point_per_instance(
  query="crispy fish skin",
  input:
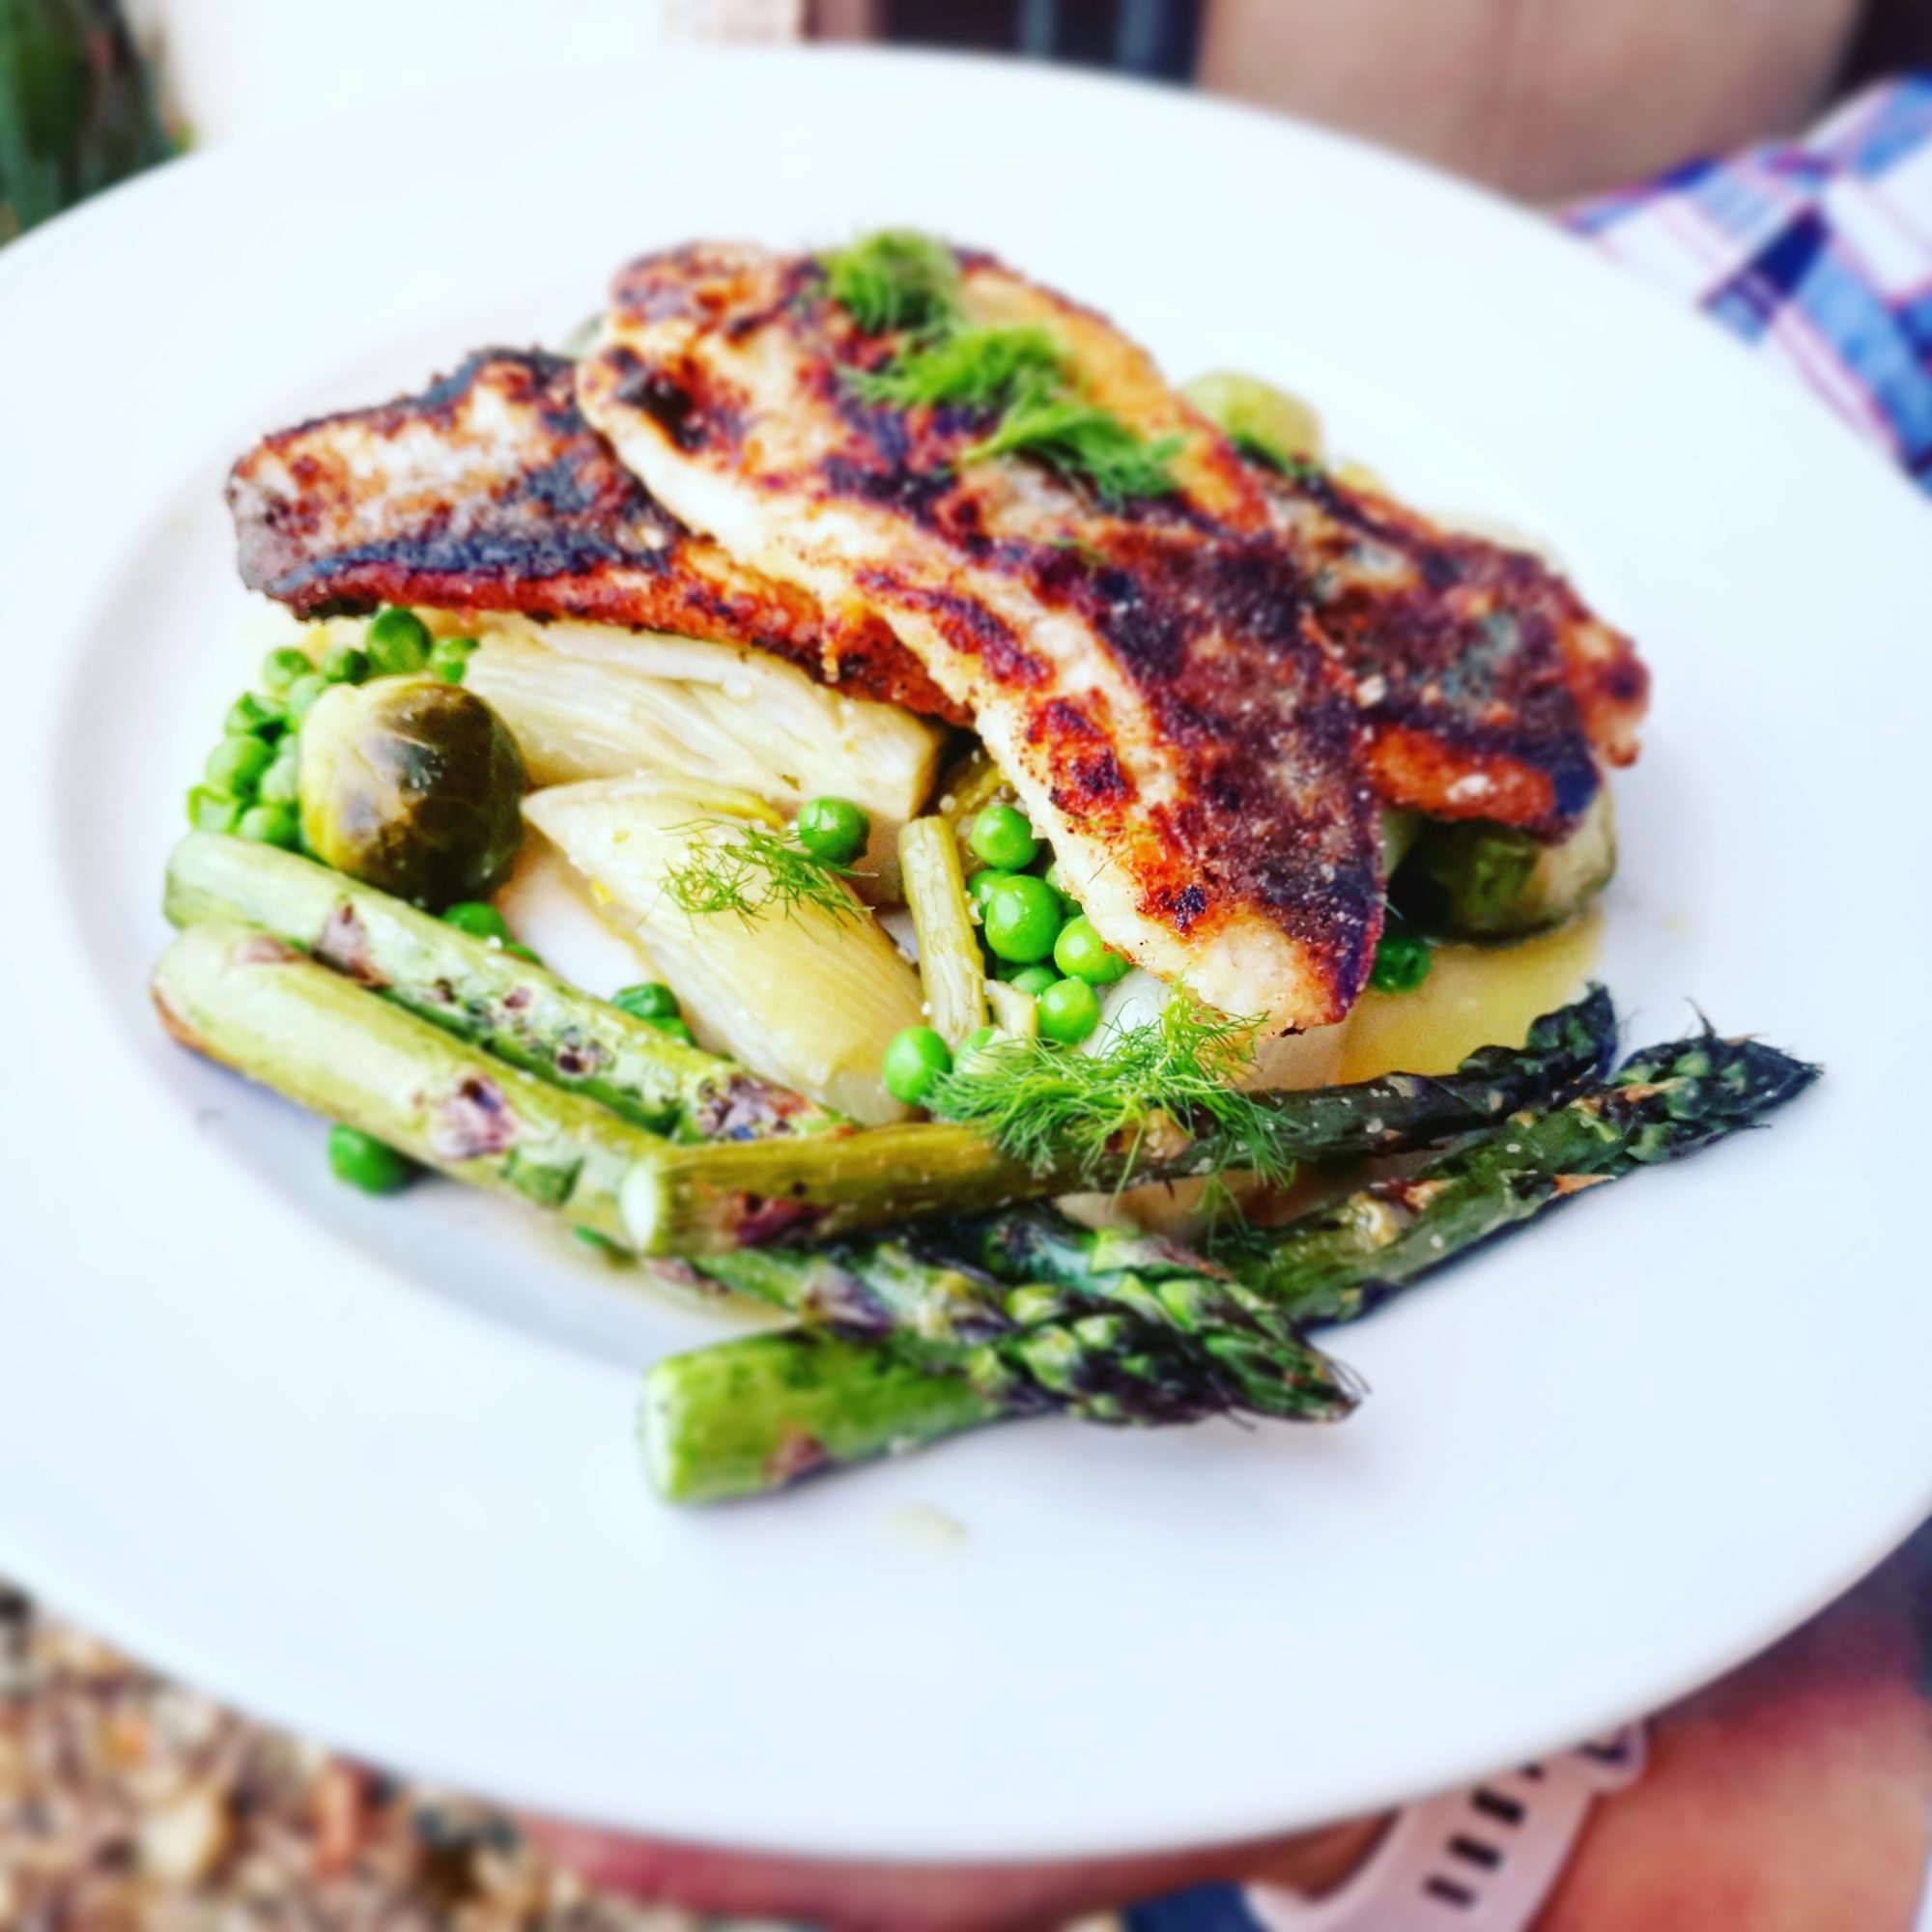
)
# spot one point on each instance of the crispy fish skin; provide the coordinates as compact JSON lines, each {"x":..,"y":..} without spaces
{"x":1489,"y":689}
{"x":490,"y":492}
{"x":1148,"y":678}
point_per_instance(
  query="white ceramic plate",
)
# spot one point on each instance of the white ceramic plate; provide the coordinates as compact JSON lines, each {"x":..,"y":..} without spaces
{"x":368,"y":1468}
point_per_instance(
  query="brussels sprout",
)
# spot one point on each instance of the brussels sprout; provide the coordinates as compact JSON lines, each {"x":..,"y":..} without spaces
{"x":1400,"y":830}
{"x":413,"y":786}
{"x":1476,"y":880}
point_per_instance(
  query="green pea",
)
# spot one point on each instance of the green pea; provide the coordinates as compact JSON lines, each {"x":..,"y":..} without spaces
{"x":397,"y":642}
{"x":1069,"y":1010}
{"x":1081,"y":954}
{"x":478,"y":918}
{"x":518,"y":950}
{"x":975,"y":1044}
{"x":280,"y":669}
{"x":1020,"y":919}
{"x":1403,"y":961}
{"x":345,"y":665}
{"x":364,"y":1162}
{"x":1056,"y":877}
{"x":981,"y":883}
{"x":449,"y":658}
{"x":282,"y":783}
{"x":272,"y":825}
{"x":675,"y":1026}
{"x":914,"y":1060}
{"x":1033,"y":980}
{"x":211,"y":810}
{"x":302,"y":693}
{"x":261,"y":717}
{"x":652,"y":1000}
{"x":236,"y":765}
{"x":832,"y":829}
{"x":1002,"y":836}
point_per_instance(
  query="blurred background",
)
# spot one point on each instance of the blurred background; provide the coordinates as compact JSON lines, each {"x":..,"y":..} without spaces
{"x":1547,"y":99}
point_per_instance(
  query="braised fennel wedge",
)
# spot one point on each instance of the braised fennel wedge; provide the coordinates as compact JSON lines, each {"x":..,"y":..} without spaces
{"x":592,"y":701}
{"x":803,"y":987}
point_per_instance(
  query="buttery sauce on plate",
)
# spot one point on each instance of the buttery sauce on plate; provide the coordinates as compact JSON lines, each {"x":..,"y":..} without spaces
{"x":1474,"y":996}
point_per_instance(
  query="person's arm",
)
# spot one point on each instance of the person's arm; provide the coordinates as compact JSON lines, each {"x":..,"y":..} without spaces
{"x":936,"y":1898}
{"x":1545,"y":99}
{"x":1795,"y":1793}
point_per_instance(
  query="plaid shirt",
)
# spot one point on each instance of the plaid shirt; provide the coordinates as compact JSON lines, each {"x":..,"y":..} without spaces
{"x":1819,"y":251}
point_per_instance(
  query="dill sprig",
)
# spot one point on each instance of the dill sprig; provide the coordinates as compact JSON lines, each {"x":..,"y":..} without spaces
{"x":982,"y":367}
{"x":896,"y":278}
{"x":1086,"y":443}
{"x":899,"y":279}
{"x":750,"y":872}
{"x":1050,"y":1108}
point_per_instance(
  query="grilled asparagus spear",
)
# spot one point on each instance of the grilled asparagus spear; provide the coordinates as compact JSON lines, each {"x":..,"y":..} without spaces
{"x":1330,"y":1265}
{"x":917,"y":1350}
{"x":706,"y":1199}
{"x":250,"y":1000}
{"x":715,"y":1196}
{"x":750,"y":1416}
{"x":1102,"y":1350}
{"x":254,"y":1001}
{"x":1666,"y":1102}
{"x":1106,"y":1121}
{"x":245,"y":997}
{"x":766,"y":1164}
{"x":516,"y":1009}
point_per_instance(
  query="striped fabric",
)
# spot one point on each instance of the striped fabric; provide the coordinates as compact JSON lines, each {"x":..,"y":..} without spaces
{"x":1819,"y":251}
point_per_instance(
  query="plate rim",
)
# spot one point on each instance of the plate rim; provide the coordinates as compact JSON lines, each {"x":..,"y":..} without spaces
{"x":72,"y":233}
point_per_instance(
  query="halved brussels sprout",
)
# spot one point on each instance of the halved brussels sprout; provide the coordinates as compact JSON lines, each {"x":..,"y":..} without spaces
{"x":1473,"y":879}
{"x":1259,"y":418}
{"x":413,"y":786}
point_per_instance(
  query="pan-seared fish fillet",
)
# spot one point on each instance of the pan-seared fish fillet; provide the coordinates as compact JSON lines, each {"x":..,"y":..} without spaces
{"x":489,"y":492}
{"x":1147,"y":677}
{"x":1489,"y":688}
{"x":1486,"y":682}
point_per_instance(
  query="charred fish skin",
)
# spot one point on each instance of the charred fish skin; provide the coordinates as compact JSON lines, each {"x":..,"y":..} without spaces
{"x":1489,"y":688}
{"x":489,"y":491}
{"x":1148,"y":674}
